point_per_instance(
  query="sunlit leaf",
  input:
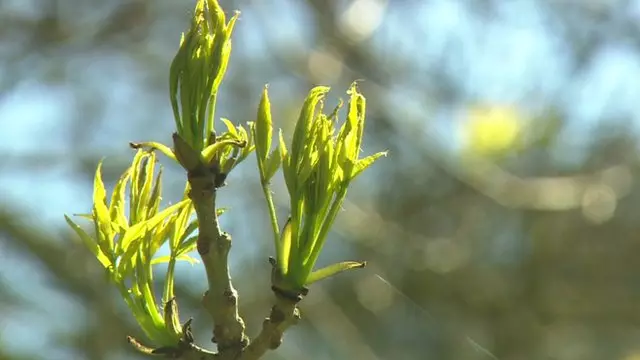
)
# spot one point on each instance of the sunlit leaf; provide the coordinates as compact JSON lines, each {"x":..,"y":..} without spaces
{"x":185,"y":257}
{"x":152,"y":145}
{"x":364,"y":163}
{"x":231,"y":128}
{"x":272,"y":164}
{"x":334,"y":114}
{"x":358,"y":102}
{"x":155,"y":197}
{"x":303,"y":126}
{"x":308,"y":166}
{"x":210,"y":151}
{"x":188,"y":245}
{"x":146,"y":182}
{"x":242,"y":132}
{"x":128,"y":259}
{"x":248,"y":135}
{"x":182,"y":257}
{"x":333,"y":269}
{"x":134,"y":188}
{"x":263,"y":127}
{"x":139,"y":230}
{"x":287,"y":170}
{"x":285,"y":248}
{"x":175,"y":72}
{"x":101,"y":216}
{"x":89,"y":242}
{"x":144,"y":281}
{"x":193,"y":225}
{"x":117,"y":204}
{"x":161,"y":233}
{"x":85,"y":216}
{"x":180,"y":224}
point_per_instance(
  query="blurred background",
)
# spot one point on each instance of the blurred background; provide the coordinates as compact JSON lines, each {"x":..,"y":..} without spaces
{"x":503,"y":224}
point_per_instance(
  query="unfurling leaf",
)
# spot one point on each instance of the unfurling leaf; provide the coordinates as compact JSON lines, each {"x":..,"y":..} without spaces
{"x":364,"y":163}
{"x":284,"y":251}
{"x":117,"y":205}
{"x":100,"y":213}
{"x":164,"y":149}
{"x":271,"y":165}
{"x":89,"y":243}
{"x":331,"y":270}
{"x":263,"y":127}
{"x":212,"y":150}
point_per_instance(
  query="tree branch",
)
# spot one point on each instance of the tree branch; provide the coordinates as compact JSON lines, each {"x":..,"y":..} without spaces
{"x":283,"y":314}
{"x":184,"y":351}
{"x":221,"y":300}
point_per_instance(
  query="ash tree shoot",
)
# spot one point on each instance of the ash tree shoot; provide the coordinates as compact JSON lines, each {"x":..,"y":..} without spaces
{"x":129,"y":225}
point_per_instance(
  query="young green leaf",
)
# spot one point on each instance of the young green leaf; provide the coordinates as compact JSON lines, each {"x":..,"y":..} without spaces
{"x":139,"y":230}
{"x":180,"y":225}
{"x":364,"y":163}
{"x":287,"y":170}
{"x":134,"y":187}
{"x":263,"y":127}
{"x":333,"y":269}
{"x":357,"y":110}
{"x":152,"y":145}
{"x":128,"y":259}
{"x":193,"y":225}
{"x":187,"y":245}
{"x":223,"y":57}
{"x":183,"y":257}
{"x":284,"y":250}
{"x":175,"y":73}
{"x":272,"y":164}
{"x":89,"y":243}
{"x":104,"y":227}
{"x":215,"y":149}
{"x":117,"y":204}
{"x":154,"y":199}
{"x":231,"y":128}
{"x":144,"y":282}
{"x":303,"y":126}
{"x":145,"y":182}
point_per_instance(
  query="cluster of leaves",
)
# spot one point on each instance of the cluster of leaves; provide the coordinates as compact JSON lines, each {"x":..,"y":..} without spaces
{"x":318,"y":167}
{"x":127,"y":239}
{"x":197,"y":71}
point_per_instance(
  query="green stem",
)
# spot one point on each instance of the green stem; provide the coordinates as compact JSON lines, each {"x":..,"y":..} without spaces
{"x":324,"y":231}
{"x":145,"y":282}
{"x":272,"y":210}
{"x":139,"y":313}
{"x":210,"y":117}
{"x":168,"y":285}
{"x":274,"y":220}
